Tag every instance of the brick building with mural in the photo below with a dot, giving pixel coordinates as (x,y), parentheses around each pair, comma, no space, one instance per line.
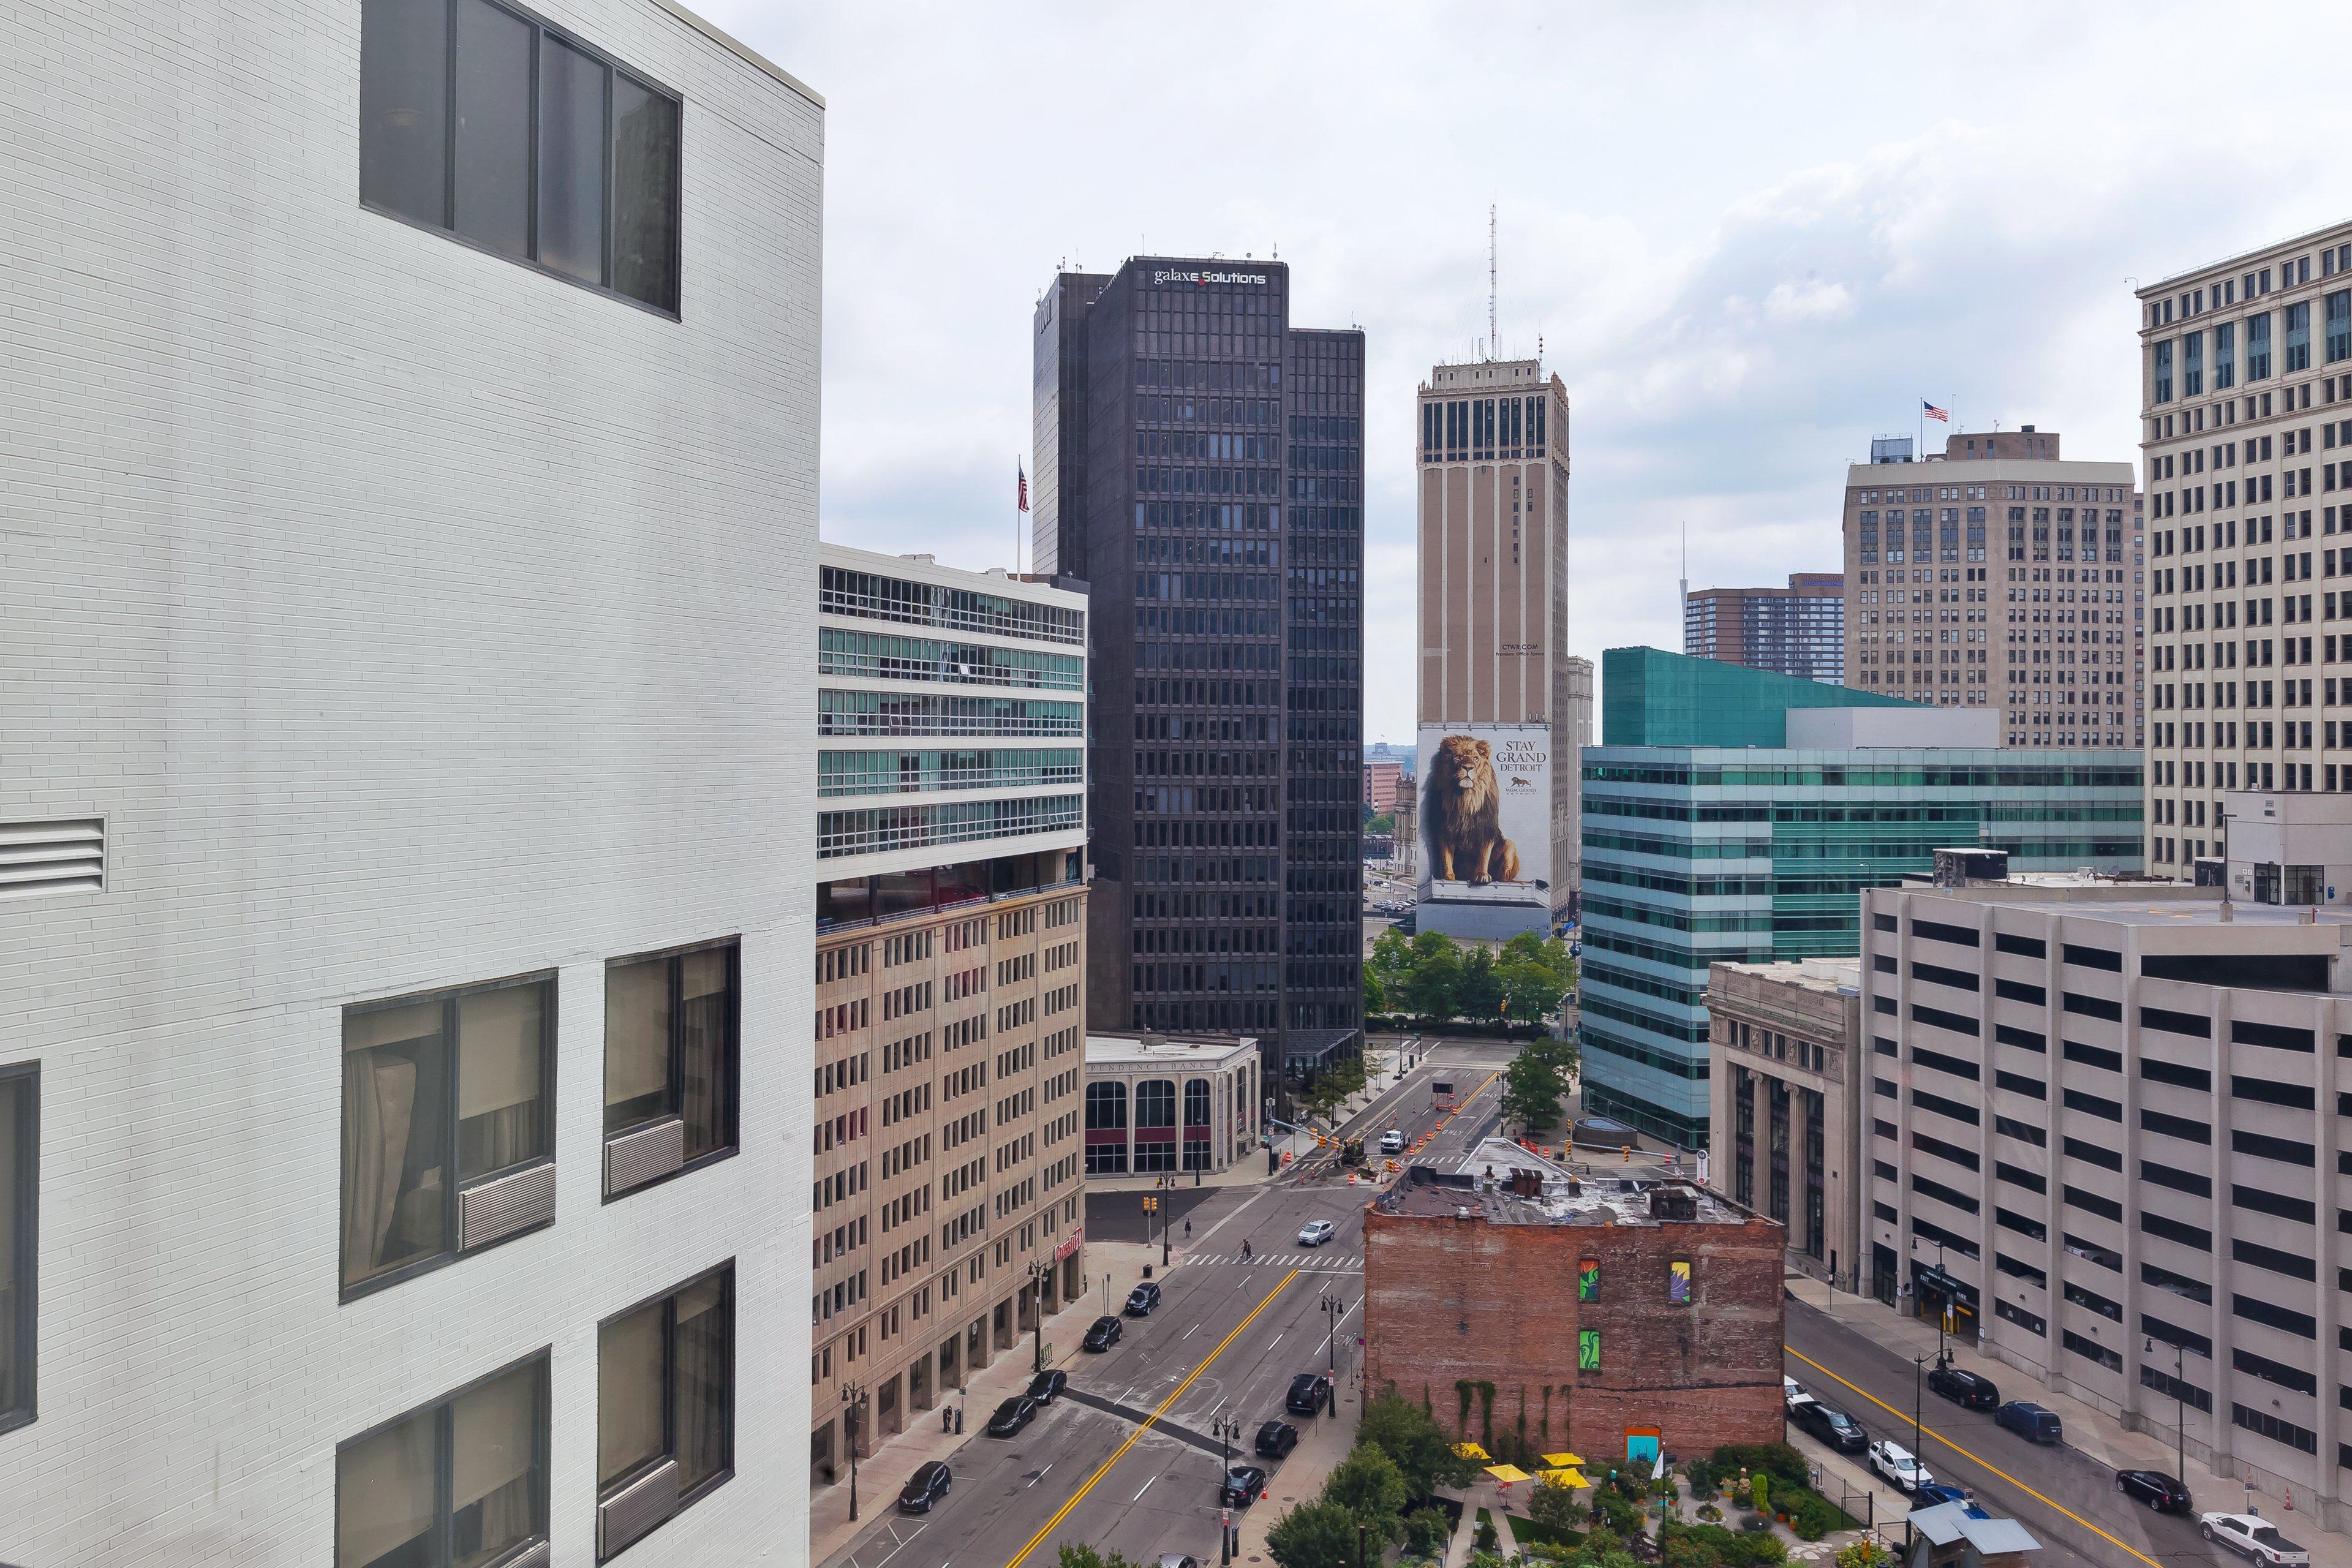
(1612,1316)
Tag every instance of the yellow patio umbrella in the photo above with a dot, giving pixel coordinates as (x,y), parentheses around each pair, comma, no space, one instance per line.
(1470,1451)
(1567,1476)
(1507,1474)
(1562,1460)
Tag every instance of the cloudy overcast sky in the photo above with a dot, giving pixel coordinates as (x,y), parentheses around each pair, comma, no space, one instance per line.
(1749,237)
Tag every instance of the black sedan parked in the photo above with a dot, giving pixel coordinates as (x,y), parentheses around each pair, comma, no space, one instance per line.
(2155,1488)
(1964,1388)
(1832,1427)
(1047,1386)
(1103,1333)
(1309,1393)
(1142,1299)
(1011,1416)
(1244,1484)
(924,1488)
(1275,1439)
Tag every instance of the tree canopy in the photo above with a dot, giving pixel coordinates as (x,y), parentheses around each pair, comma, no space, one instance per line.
(1436,979)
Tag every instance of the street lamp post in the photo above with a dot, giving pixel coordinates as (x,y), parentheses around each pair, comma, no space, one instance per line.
(1039,1273)
(1334,1309)
(853,1402)
(1229,1432)
(2180,1412)
(1918,1400)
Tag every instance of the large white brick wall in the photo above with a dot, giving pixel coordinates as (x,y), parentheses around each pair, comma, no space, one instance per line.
(413,618)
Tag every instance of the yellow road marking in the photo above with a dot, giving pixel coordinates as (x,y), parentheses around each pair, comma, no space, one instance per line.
(1996,1469)
(1104,1468)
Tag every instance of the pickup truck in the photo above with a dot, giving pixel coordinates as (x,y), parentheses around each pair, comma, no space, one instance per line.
(2255,1537)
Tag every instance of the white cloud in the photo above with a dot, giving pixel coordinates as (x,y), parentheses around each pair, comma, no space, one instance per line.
(1749,237)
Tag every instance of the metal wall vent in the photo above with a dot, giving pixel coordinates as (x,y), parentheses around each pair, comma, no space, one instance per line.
(64,855)
(637,1509)
(506,1205)
(635,1158)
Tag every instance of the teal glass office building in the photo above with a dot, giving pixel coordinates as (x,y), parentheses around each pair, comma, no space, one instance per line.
(1708,839)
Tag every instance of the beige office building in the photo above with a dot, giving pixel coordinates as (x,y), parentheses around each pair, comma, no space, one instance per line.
(950,939)
(2246,421)
(1493,610)
(2105,1137)
(1785,1101)
(2000,575)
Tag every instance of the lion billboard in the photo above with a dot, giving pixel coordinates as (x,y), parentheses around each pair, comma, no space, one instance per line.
(1484,807)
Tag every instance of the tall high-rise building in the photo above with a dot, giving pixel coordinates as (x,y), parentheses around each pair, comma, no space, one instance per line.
(1798,630)
(1998,575)
(2245,402)
(1200,465)
(1740,813)
(1494,669)
(950,937)
(406,823)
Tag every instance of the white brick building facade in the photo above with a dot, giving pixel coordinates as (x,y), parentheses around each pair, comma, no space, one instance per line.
(412,618)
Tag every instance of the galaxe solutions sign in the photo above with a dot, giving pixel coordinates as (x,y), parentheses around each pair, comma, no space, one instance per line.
(1166,275)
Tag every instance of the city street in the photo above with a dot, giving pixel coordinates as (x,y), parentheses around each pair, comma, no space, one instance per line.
(2066,1497)
(1127,1459)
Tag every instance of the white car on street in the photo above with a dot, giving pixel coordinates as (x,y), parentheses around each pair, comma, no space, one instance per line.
(1316,1232)
(1794,1393)
(2254,1536)
(1896,1462)
(1392,1141)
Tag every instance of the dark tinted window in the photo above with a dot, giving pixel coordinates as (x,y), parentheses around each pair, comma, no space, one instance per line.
(492,127)
(405,107)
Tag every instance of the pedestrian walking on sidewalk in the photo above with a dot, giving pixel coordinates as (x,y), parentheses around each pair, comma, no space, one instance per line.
(1187,1230)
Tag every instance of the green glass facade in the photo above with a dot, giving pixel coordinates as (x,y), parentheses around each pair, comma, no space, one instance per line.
(1694,854)
(1652,698)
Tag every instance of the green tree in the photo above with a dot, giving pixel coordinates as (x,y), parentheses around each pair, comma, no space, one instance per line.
(1479,994)
(1862,1553)
(1427,1530)
(1433,983)
(1553,1505)
(1376,993)
(1383,823)
(1410,1436)
(1087,1557)
(1760,1492)
(1314,1535)
(1367,1484)
(1531,1089)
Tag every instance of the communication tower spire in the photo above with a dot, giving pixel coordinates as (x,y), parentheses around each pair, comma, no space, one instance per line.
(1493,346)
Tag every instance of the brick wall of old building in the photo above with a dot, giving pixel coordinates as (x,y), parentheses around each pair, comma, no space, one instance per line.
(1449,1302)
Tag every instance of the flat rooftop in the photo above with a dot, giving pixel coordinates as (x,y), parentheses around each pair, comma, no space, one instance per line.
(1829,977)
(1110,1050)
(2204,911)
(1482,1182)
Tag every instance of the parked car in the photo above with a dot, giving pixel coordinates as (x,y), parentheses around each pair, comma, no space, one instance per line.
(1179,1560)
(1898,1465)
(1047,1386)
(1244,1484)
(1142,1299)
(1964,1387)
(2031,1421)
(1392,1141)
(1935,1492)
(924,1488)
(1316,1232)
(1309,1393)
(1103,1333)
(1832,1426)
(2155,1488)
(2254,1536)
(1275,1439)
(1011,1416)
(1794,1393)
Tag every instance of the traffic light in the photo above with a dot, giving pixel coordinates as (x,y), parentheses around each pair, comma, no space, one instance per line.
(1150,1204)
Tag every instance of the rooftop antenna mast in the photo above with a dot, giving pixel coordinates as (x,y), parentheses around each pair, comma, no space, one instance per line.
(1492,348)
(1682,606)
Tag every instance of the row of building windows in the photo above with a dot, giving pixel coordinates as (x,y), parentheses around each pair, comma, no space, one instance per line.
(844,592)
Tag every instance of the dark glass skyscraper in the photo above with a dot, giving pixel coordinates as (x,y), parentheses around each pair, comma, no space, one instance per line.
(1199,463)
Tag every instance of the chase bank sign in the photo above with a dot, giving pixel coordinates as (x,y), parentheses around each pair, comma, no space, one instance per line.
(1163,276)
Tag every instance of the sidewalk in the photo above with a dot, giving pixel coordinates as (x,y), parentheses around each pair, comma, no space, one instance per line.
(882,1473)
(2089,1431)
(1322,1443)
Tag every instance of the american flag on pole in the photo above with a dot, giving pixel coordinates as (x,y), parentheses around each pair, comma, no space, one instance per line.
(1932,411)
(1020,492)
